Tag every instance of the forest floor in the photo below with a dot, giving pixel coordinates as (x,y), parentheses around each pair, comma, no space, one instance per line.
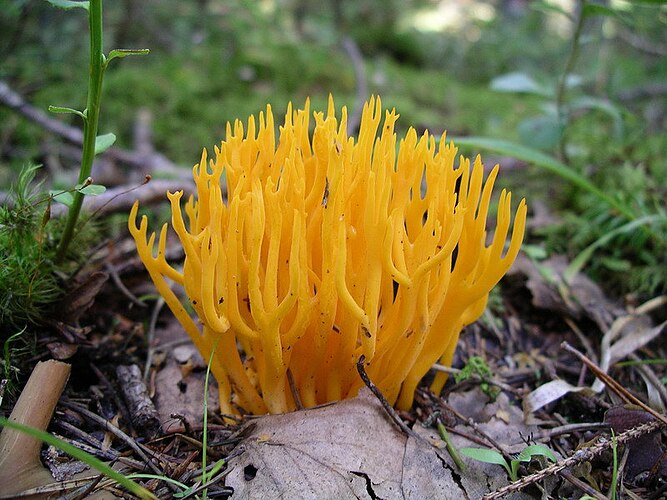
(523,375)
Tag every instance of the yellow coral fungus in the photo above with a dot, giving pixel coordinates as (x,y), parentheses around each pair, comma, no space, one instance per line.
(325,248)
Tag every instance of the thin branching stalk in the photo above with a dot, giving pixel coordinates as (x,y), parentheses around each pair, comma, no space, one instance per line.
(90,122)
(562,84)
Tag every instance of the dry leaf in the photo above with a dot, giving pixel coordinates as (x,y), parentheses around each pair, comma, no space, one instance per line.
(79,298)
(61,350)
(633,332)
(175,393)
(550,291)
(645,452)
(548,393)
(501,420)
(349,450)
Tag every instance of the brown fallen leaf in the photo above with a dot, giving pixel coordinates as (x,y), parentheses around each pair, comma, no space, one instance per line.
(61,350)
(645,453)
(501,420)
(176,392)
(81,296)
(350,450)
(581,297)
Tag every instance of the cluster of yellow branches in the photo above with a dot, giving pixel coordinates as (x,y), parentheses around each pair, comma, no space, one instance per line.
(324,248)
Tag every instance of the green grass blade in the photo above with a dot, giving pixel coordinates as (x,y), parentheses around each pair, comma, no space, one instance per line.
(166,479)
(85,457)
(545,162)
(204,475)
(580,260)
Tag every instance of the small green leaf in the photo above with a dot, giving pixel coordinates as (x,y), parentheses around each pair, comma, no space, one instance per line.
(104,142)
(534,252)
(527,454)
(69,4)
(521,83)
(616,265)
(542,132)
(64,197)
(92,190)
(573,80)
(535,450)
(62,109)
(546,7)
(486,455)
(596,9)
(120,53)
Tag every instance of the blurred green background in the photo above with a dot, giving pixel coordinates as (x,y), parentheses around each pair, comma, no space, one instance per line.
(471,67)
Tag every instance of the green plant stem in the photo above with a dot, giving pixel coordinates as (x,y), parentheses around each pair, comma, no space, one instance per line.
(562,84)
(614,473)
(453,452)
(92,114)
(204,446)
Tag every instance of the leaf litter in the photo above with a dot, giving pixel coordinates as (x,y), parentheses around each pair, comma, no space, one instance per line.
(351,449)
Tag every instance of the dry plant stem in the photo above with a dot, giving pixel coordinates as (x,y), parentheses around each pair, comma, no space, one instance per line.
(575,481)
(57,489)
(84,437)
(118,433)
(111,270)
(20,467)
(617,388)
(294,390)
(396,418)
(120,404)
(142,410)
(582,455)
(581,336)
(550,434)
(387,407)
(87,490)
(109,455)
(352,50)
(114,200)
(651,377)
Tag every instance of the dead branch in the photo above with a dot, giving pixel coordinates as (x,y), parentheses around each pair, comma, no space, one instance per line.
(143,412)
(352,50)
(143,161)
(580,456)
(121,198)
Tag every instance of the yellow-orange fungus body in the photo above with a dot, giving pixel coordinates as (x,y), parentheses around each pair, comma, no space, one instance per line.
(325,247)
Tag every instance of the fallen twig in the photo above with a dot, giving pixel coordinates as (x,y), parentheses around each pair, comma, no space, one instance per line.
(143,162)
(352,50)
(613,385)
(105,424)
(385,404)
(142,410)
(582,455)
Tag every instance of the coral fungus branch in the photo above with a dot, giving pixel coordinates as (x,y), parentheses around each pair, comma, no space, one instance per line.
(327,248)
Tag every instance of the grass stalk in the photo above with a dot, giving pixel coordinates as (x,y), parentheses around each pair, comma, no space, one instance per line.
(562,83)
